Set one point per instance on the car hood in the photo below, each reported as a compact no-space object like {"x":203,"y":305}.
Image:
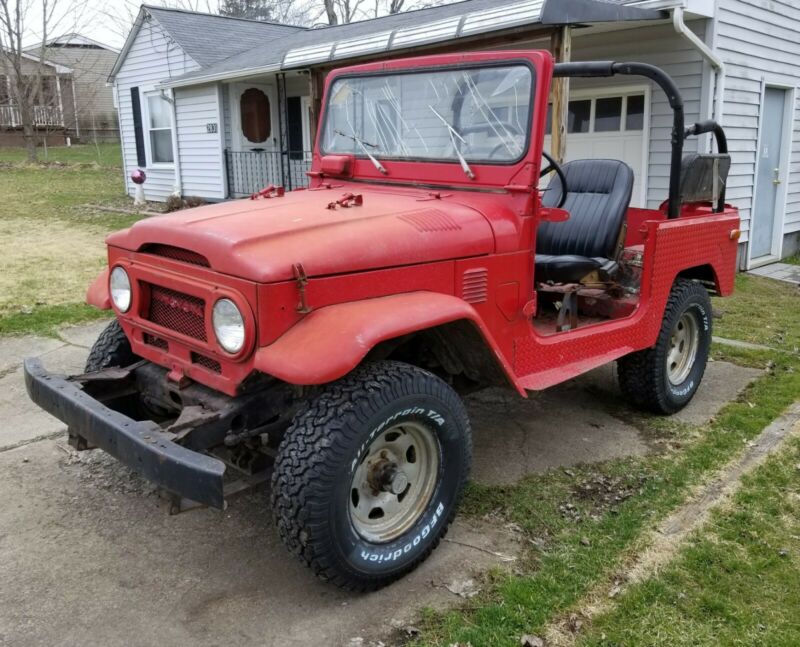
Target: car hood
{"x":261,"y":240}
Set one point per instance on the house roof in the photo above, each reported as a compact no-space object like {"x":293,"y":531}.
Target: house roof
{"x":207,"y":38}
{"x":411,"y":29}
{"x":78,"y":40}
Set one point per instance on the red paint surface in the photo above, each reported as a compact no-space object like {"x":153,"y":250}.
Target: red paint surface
{"x":408,"y":257}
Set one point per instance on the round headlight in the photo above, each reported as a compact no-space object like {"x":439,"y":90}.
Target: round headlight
{"x":228,"y":325}
{"x":120,"y":287}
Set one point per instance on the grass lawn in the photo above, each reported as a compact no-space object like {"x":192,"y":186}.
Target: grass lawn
{"x":582,"y":523}
{"x":736,"y":580}
{"x":52,"y":241}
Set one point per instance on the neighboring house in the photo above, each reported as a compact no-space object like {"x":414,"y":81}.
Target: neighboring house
{"x":93,"y":115}
{"x":219,"y":107}
{"x":53,"y":106}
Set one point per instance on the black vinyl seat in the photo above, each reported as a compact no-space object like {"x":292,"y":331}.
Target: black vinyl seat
{"x":599,"y":193}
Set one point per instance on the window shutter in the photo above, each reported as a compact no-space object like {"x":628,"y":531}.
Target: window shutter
{"x":137,"y":127}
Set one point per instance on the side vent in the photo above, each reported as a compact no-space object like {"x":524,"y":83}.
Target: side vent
{"x":475,"y":285}
{"x":430,"y":220}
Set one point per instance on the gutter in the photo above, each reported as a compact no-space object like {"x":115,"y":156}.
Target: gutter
{"x":220,"y":76}
{"x":707,"y":53}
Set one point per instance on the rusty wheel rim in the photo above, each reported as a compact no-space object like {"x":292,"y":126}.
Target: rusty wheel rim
{"x":684,"y":342}
{"x":394,"y":482}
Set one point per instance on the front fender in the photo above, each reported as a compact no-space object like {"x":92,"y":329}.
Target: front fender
{"x":330,"y":342}
{"x":97,"y":295}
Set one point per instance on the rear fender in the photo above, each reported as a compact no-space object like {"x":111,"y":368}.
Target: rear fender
{"x":330,"y":342}
{"x":97,"y":295}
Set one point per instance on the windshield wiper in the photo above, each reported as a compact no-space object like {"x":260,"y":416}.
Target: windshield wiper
{"x":364,"y":145}
{"x":453,"y":135}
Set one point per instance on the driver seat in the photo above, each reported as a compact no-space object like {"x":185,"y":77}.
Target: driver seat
{"x":599,"y":193}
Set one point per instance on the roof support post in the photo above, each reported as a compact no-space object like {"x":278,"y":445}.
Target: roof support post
{"x":561,"y":48}
{"x":316,"y":82}
{"x":283,"y":137}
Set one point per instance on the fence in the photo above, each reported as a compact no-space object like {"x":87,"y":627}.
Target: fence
{"x":251,"y":171}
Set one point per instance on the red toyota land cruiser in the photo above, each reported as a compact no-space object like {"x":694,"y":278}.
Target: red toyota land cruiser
{"x":322,"y":336}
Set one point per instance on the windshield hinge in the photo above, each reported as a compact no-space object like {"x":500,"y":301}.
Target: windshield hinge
{"x":271,"y":191}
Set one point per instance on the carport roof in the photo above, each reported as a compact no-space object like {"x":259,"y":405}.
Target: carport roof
{"x":411,"y":29}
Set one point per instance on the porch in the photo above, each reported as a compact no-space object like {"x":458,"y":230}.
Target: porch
{"x":43,"y":117}
{"x":268,"y":133}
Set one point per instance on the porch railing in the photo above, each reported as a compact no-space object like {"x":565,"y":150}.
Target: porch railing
{"x":251,"y":171}
{"x":43,"y":116}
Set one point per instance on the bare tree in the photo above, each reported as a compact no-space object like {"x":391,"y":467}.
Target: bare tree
{"x":32,"y":83}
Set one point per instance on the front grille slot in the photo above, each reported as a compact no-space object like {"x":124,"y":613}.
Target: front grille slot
{"x":152,"y":340}
{"x":206,"y":362}
{"x":176,"y":254}
{"x":177,"y":311}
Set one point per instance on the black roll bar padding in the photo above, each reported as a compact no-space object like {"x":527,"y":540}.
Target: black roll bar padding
{"x":710,"y":126}
{"x":664,"y":80}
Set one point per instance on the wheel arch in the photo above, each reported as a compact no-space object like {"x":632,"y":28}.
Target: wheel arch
{"x":705,"y":274}
{"x":97,"y":294}
{"x":330,"y":342}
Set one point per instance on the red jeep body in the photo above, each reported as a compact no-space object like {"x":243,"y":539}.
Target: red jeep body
{"x":427,"y":246}
{"x":360,"y":307}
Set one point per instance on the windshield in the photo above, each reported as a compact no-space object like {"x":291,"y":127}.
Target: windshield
{"x":464,"y":115}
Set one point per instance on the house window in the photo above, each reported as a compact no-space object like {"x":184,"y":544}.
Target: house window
{"x":159,"y":126}
{"x":602,"y":115}
{"x":608,"y":115}
{"x":579,"y":115}
{"x":255,"y":115}
{"x":49,"y":91}
{"x":635,"y":117}
{"x":5,"y":95}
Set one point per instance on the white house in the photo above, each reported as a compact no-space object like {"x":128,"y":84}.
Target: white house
{"x":219,"y":107}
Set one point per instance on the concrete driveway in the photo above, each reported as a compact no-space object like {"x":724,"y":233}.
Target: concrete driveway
{"x":89,"y":557}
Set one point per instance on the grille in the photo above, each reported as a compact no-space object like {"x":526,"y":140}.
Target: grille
{"x":176,"y":311}
{"x":152,"y":340}
{"x":206,"y":362}
{"x":177,"y":254}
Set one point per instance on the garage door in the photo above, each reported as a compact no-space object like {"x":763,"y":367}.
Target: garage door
{"x":610,"y":125}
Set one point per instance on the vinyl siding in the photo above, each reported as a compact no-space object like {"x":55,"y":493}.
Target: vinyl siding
{"x":200,"y":151}
{"x":152,"y":58}
{"x":658,"y":45}
{"x":760,"y":42}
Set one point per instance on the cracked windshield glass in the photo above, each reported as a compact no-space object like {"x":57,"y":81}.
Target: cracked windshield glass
{"x":463,"y":116}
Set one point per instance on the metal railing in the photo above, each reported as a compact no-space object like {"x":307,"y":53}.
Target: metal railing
{"x":251,"y":171}
{"x":43,"y":116}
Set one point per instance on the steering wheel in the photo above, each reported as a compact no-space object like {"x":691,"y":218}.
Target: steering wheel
{"x":552,"y":165}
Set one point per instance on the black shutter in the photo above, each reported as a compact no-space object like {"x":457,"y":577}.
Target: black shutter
{"x":137,"y":127}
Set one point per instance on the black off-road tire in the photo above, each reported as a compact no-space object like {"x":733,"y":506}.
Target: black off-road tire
{"x":643,"y":375}
{"x":112,"y":348}
{"x":327,"y":441}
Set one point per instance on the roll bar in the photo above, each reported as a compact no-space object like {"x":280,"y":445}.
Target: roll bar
{"x":679,"y":130}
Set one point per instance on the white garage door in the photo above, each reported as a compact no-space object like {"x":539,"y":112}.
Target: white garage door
{"x":611,"y":125}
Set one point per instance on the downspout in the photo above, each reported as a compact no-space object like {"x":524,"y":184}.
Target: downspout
{"x":707,"y":53}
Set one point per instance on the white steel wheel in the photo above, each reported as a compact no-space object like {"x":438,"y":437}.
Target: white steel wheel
{"x":394,"y":483}
{"x":683,"y":345}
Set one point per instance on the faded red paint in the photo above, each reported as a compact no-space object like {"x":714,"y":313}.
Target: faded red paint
{"x":400,"y":258}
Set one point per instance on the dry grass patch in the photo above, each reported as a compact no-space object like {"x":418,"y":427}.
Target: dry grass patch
{"x":47,"y":263}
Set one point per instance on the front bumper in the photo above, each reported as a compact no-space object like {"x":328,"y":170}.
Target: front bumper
{"x":141,"y":445}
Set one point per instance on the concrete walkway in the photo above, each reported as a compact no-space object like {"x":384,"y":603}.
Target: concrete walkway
{"x":780,"y":272}
{"x":88,"y":556}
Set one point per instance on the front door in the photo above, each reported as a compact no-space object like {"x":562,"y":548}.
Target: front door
{"x":769,"y":177}
{"x":254,"y":123}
